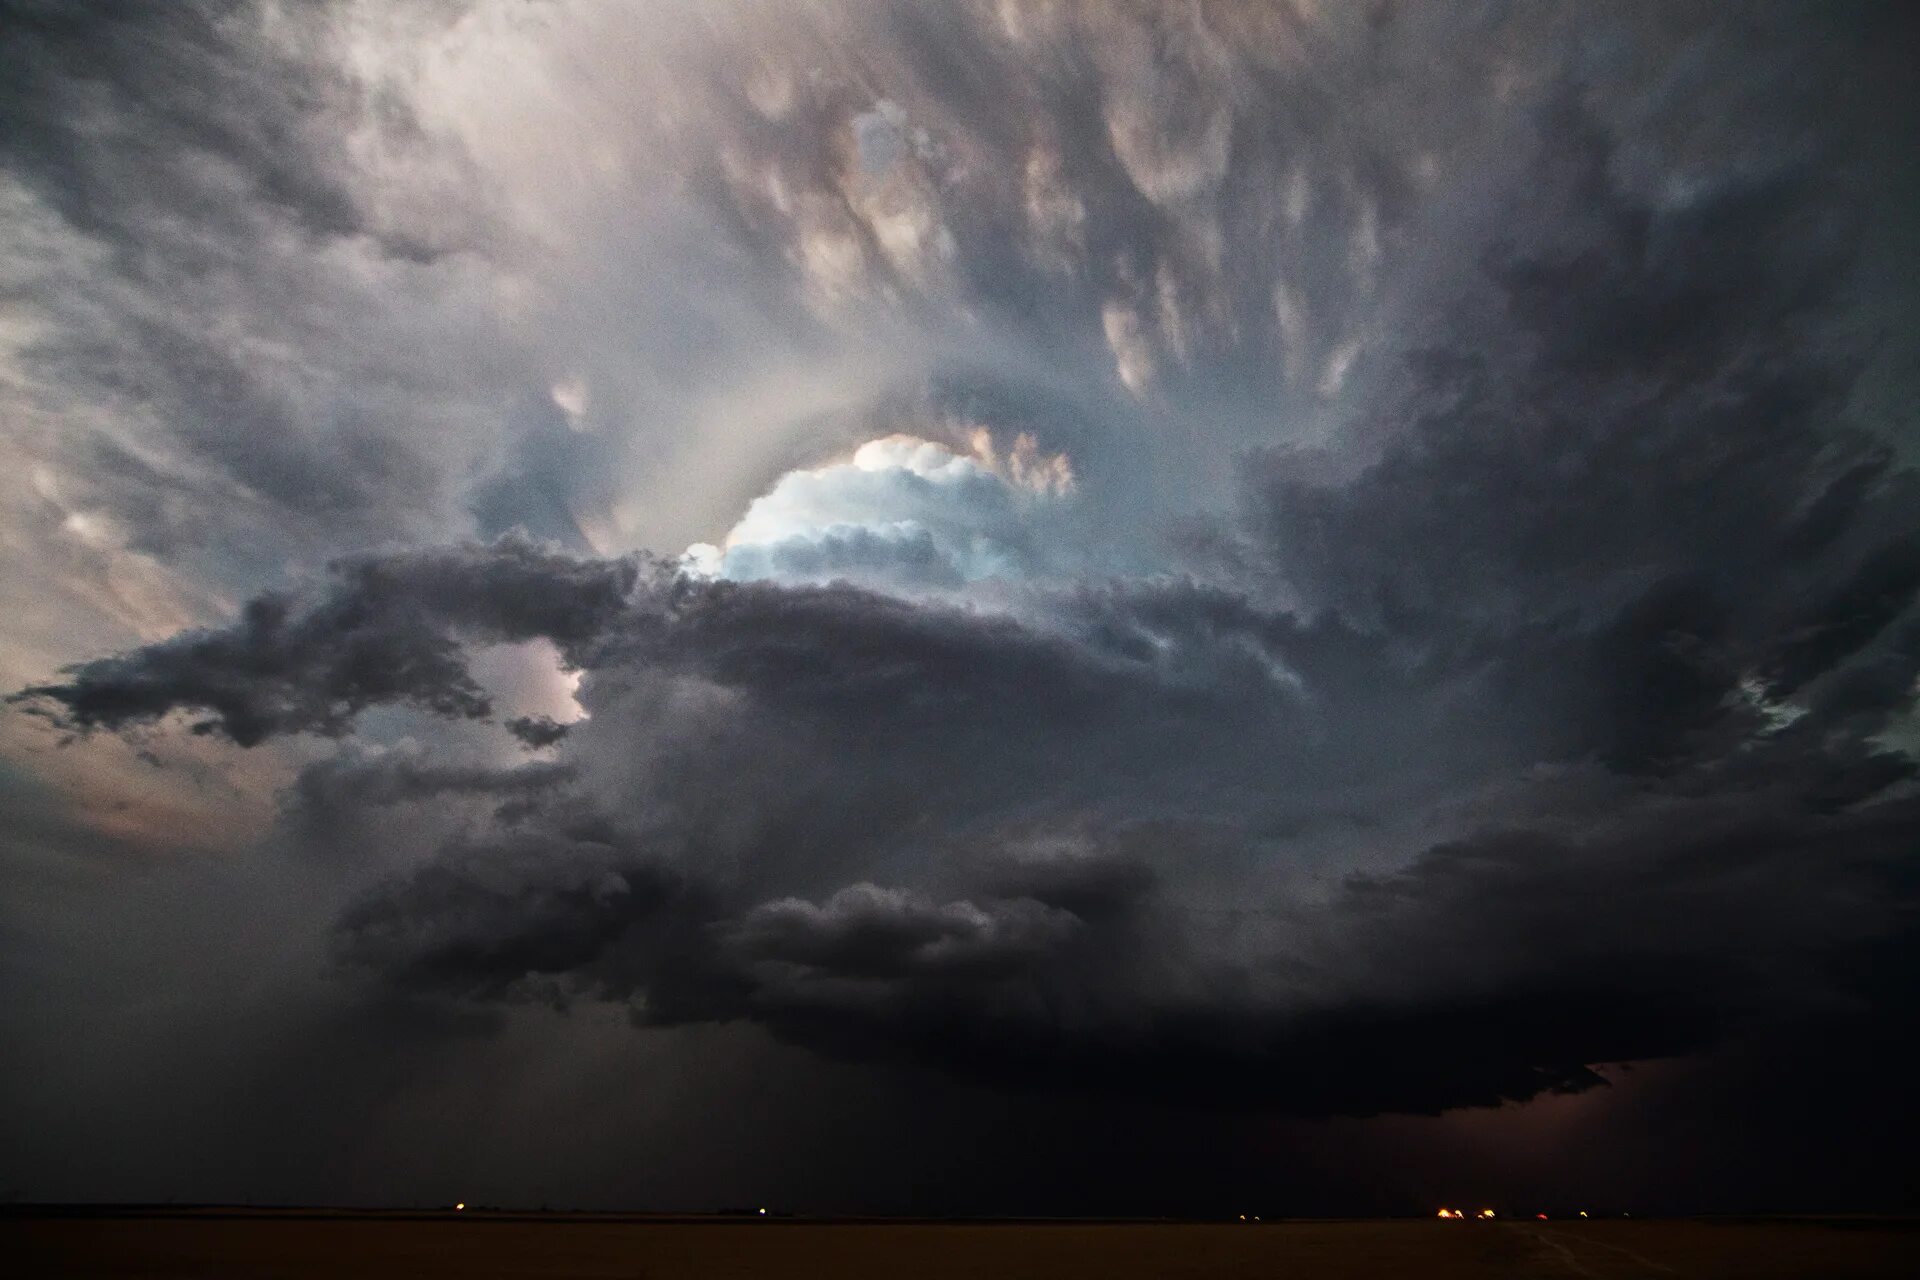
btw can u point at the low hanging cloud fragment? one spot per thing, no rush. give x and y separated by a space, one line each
537 732
378 631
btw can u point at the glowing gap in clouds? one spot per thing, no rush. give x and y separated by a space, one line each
903 513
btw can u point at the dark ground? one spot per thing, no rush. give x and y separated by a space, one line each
300 1245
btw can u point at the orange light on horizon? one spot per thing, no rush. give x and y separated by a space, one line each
1486 1213
461 1206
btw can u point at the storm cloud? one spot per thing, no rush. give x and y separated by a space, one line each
1274 561
379 630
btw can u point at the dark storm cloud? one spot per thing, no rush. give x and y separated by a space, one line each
864 932
1546 702
537 731
1639 485
1485 971
1528 558
1487 964
528 907
1498 979
1540 468
380 630
347 782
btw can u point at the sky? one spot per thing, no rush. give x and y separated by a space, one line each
1006 607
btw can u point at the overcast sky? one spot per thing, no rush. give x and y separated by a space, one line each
1001 607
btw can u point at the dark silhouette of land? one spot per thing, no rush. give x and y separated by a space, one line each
296 1244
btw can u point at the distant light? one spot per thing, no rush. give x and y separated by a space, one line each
763 1213
1243 1217
1486 1213
462 1205
1583 1213
1541 1216
1446 1213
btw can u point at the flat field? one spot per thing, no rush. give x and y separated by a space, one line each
299 1246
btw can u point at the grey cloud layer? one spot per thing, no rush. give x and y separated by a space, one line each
1483 646
1071 801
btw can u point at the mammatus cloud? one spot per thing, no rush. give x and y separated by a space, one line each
1301 559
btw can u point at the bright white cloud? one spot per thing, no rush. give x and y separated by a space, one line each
905 513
